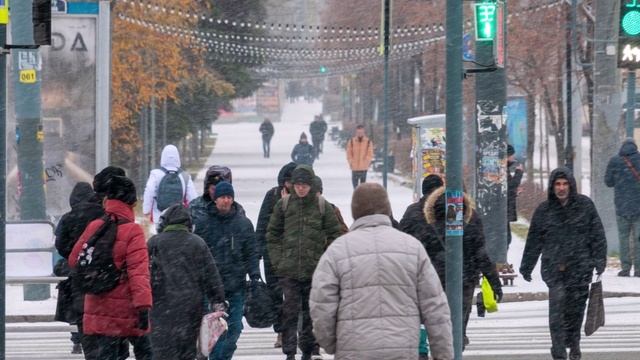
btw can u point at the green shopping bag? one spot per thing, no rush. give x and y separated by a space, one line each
488 297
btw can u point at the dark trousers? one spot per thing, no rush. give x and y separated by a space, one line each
358 177
468 288
317 146
274 290
567 303
266 147
112 348
296 301
508 235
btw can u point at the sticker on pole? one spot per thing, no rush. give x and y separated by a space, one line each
28 76
4 12
455 213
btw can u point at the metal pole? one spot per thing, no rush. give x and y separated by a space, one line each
164 123
103 86
454 167
631 102
3 184
385 100
152 142
571 40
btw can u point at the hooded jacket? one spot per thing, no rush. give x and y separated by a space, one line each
115 313
372 289
570 238
85 207
170 160
302 154
231 240
625 184
318 128
267 130
183 273
474 253
297 237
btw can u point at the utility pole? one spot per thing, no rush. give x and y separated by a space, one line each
385 100
571 41
3 184
152 142
631 103
454 131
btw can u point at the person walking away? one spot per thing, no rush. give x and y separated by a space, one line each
359 156
317 129
101 180
374 286
230 237
623 175
567 232
513 184
121 314
167 185
85 207
267 131
303 153
285 187
183 273
301 227
474 253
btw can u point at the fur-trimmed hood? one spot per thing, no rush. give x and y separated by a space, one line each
437 199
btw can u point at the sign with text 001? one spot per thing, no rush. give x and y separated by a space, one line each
28 76
629 34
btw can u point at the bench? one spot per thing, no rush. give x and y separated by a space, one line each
507 279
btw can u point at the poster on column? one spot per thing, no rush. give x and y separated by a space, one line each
433 141
68 114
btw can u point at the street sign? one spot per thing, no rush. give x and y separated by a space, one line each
28 76
486 20
629 35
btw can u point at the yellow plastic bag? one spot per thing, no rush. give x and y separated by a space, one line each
488 297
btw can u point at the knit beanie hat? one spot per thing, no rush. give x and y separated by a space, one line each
102 178
303 174
122 188
431 183
224 188
370 199
510 150
303 136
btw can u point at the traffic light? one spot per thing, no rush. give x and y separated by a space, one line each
323 69
486 20
629 34
42 22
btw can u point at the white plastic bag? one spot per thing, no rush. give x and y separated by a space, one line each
212 327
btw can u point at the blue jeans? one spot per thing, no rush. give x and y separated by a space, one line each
625 225
226 345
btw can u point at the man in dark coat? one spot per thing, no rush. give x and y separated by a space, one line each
566 230
318 128
231 239
474 254
623 174
513 182
272 196
85 207
183 273
413 221
267 130
303 153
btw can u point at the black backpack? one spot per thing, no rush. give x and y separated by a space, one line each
95 272
170 191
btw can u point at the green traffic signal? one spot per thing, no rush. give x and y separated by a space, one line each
323 69
631 22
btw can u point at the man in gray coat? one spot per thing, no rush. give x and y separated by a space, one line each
374 286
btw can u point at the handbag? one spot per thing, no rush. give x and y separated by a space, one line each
631 167
488 297
211 329
595 309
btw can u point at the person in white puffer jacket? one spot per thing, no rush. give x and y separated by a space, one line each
170 161
375 286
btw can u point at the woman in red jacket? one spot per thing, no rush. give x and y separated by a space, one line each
121 314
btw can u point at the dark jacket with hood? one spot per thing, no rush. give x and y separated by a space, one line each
267 130
318 128
570 238
231 240
513 182
620 177
474 254
270 199
183 273
85 207
302 154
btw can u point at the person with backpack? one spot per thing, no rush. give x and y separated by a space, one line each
85 207
300 229
183 272
359 156
317 184
267 131
230 237
112 267
303 153
285 187
167 185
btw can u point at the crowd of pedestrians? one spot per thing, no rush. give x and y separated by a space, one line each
362 292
